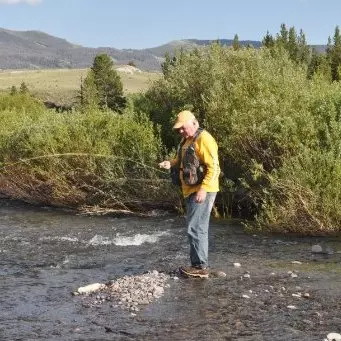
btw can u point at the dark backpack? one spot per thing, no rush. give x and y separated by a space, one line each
193 171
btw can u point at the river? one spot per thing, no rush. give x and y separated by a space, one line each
280 291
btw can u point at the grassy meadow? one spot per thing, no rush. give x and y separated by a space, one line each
60 86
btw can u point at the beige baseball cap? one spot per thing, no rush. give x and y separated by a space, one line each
182 118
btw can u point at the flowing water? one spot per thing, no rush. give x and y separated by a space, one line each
46 254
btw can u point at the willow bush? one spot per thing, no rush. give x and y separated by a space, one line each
93 159
278 133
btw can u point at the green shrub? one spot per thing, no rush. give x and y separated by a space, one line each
278 132
74 159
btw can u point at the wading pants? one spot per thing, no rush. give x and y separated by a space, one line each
198 218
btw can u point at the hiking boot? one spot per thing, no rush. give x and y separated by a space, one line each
194 272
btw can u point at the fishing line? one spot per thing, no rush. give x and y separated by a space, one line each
79 154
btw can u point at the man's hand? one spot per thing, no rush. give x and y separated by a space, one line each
165 165
200 196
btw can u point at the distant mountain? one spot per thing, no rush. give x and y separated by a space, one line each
38 50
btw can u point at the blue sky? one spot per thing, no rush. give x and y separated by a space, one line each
147 23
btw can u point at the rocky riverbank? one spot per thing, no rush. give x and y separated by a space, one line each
128 292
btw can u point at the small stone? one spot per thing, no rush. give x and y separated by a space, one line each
296 262
291 307
316 248
220 274
297 295
306 295
246 296
334 337
90 288
237 265
246 276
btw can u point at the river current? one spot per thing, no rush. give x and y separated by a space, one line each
46 254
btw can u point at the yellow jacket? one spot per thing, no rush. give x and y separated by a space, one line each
206 149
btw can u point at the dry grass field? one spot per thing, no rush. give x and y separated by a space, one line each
61 85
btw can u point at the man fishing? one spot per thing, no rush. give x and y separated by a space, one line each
198 171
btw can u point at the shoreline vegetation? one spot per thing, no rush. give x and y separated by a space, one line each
276 119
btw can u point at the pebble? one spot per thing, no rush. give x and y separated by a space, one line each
88 289
237 265
291 307
220 274
297 295
316 248
334 337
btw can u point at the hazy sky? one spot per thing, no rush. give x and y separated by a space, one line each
148 23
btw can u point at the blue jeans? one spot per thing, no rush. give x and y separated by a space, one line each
198 218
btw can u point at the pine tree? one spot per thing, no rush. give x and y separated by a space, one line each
319 65
88 95
14 90
304 51
103 86
235 44
334 54
292 44
283 36
268 40
23 88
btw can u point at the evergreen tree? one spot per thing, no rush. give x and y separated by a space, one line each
167 64
283 36
334 54
319 65
14 90
235 44
103 85
23 88
268 40
292 44
88 95
304 51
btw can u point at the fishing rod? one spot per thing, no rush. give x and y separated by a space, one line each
3 167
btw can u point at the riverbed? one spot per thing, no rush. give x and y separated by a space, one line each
275 287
